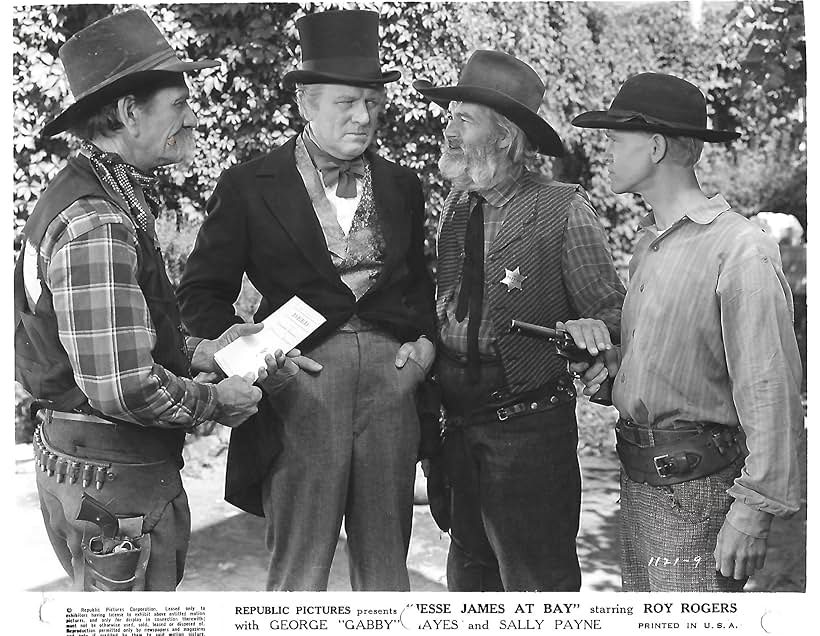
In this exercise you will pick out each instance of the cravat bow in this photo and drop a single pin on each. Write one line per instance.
(338, 172)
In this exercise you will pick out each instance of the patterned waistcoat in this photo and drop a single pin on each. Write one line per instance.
(359, 256)
(530, 239)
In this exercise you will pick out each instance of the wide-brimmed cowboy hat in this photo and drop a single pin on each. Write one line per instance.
(339, 47)
(656, 102)
(112, 56)
(508, 86)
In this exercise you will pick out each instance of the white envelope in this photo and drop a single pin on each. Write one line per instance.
(284, 329)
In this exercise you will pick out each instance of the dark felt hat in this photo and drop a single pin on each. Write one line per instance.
(112, 56)
(339, 47)
(508, 86)
(655, 102)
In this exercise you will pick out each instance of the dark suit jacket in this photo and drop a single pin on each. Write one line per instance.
(261, 222)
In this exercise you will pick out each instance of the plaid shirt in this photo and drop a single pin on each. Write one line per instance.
(90, 263)
(586, 269)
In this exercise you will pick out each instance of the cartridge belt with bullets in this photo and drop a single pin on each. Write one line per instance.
(667, 456)
(136, 467)
(68, 468)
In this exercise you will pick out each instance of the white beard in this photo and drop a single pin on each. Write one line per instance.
(474, 169)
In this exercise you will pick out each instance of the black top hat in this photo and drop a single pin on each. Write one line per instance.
(339, 47)
(508, 86)
(655, 102)
(112, 56)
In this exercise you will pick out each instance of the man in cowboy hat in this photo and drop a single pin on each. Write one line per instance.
(97, 337)
(708, 388)
(325, 218)
(512, 245)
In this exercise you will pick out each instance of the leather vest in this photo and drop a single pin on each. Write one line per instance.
(41, 363)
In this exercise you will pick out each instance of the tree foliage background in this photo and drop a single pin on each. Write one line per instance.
(749, 59)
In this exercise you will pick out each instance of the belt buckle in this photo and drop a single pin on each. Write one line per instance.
(502, 414)
(663, 467)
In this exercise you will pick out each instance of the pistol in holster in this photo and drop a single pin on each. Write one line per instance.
(116, 559)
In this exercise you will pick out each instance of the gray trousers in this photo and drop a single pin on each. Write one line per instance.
(668, 534)
(350, 438)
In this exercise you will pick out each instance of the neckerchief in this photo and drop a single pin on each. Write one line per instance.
(338, 172)
(122, 177)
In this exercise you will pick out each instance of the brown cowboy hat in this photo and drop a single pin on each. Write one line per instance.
(112, 56)
(339, 47)
(508, 86)
(655, 102)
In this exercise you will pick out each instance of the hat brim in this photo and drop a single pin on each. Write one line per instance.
(292, 78)
(116, 87)
(542, 136)
(604, 119)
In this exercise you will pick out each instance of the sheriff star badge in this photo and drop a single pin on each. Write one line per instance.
(513, 279)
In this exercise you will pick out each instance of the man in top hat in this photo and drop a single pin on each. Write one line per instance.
(97, 336)
(512, 245)
(708, 388)
(323, 217)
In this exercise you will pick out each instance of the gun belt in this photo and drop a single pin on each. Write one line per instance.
(544, 398)
(69, 468)
(664, 457)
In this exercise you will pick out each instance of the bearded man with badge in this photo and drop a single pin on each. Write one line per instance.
(323, 218)
(512, 246)
(98, 342)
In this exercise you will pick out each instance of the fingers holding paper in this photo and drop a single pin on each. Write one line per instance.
(283, 369)
(203, 359)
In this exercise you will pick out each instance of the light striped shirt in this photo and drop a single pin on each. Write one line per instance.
(707, 335)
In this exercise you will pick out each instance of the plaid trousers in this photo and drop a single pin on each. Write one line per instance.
(668, 534)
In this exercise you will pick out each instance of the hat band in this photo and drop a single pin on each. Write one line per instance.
(153, 62)
(345, 66)
(626, 115)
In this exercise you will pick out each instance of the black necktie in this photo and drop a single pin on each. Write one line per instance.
(472, 285)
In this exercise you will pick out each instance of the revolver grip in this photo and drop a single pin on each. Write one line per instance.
(93, 511)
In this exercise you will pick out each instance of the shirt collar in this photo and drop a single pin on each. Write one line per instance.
(502, 193)
(702, 215)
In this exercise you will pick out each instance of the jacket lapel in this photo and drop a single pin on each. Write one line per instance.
(286, 198)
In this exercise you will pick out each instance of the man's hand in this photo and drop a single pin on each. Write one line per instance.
(605, 365)
(237, 397)
(737, 554)
(203, 359)
(421, 351)
(589, 333)
(282, 369)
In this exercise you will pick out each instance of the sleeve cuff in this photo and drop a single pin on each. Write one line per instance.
(191, 343)
(748, 520)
